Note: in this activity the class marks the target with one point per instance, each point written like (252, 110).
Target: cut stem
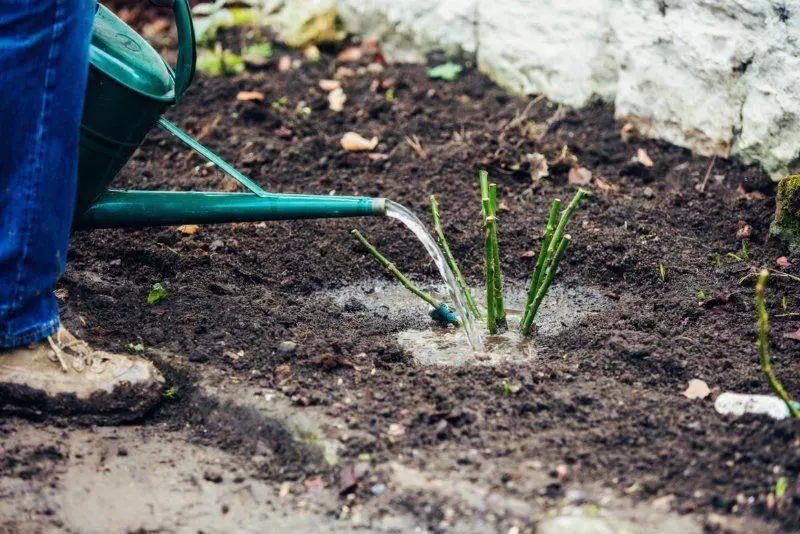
(491, 308)
(763, 345)
(544, 286)
(394, 271)
(437, 225)
(533, 287)
(500, 310)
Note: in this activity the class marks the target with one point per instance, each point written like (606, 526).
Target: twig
(763, 345)
(437, 225)
(702, 186)
(416, 145)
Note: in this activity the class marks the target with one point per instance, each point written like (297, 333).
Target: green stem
(533, 287)
(394, 271)
(763, 345)
(437, 225)
(500, 310)
(491, 308)
(545, 285)
(562, 223)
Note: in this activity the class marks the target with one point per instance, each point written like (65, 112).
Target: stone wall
(718, 76)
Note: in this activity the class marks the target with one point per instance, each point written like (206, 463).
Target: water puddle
(565, 306)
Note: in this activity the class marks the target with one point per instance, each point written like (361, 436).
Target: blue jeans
(44, 49)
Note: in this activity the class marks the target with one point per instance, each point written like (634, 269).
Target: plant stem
(437, 225)
(545, 285)
(394, 271)
(491, 308)
(533, 287)
(562, 223)
(763, 345)
(500, 310)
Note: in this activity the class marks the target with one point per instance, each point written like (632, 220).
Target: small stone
(443, 430)
(648, 192)
(216, 245)
(287, 348)
(377, 489)
(576, 496)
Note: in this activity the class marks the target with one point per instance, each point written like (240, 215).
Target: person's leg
(44, 49)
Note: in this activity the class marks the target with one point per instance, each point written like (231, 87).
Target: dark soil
(604, 400)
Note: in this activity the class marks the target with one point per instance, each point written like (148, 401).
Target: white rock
(738, 404)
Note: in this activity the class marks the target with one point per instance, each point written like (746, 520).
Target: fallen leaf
(627, 132)
(744, 230)
(330, 361)
(643, 158)
(378, 156)
(329, 85)
(446, 71)
(284, 64)
(336, 99)
(753, 195)
(233, 355)
(784, 262)
(352, 142)
(528, 254)
(188, 229)
(579, 176)
(283, 133)
(697, 389)
(605, 186)
(350, 54)
(247, 96)
(283, 369)
(538, 165)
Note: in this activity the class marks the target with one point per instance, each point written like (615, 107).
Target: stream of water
(402, 214)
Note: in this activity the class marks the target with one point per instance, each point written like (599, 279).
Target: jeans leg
(44, 49)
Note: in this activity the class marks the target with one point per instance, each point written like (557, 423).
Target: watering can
(129, 88)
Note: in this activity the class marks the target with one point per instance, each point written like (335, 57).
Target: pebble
(377, 489)
(648, 192)
(287, 348)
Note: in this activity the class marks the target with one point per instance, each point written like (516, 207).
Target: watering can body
(129, 88)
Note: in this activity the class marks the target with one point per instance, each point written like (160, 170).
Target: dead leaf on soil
(283, 133)
(329, 85)
(744, 230)
(329, 361)
(283, 369)
(336, 99)
(605, 186)
(350, 54)
(249, 96)
(784, 262)
(752, 195)
(538, 165)
(378, 156)
(627, 132)
(643, 158)
(579, 176)
(353, 142)
(188, 229)
(527, 254)
(697, 389)
(285, 64)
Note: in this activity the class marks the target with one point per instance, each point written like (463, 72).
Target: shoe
(62, 375)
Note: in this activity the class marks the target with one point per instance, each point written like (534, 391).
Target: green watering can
(129, 87)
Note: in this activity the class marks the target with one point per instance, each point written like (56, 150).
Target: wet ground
(299, 397)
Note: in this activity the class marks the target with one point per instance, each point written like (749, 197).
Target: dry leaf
(527, 254)
(283, 369)
(329, 85)
(579, 176)
(352, 142)
(627, 132)
(247, 96)
(285, 64)
(643, 158)
(283, 133)
(538, 165)
(794, 336)
(753, 195)
(697, 389)
(188, 229)
(784, 262)
(378, 156)
(605, 186)
(336, 99)
(350, 54)
(744, 230)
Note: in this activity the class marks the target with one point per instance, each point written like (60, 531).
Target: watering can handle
(187, 53)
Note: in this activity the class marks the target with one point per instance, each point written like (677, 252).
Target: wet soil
(601, 404)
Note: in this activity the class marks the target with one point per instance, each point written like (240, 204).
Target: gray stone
(287, 348)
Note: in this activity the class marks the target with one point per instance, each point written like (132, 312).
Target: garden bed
(600, 404)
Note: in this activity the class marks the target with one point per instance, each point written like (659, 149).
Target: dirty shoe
(63, 375)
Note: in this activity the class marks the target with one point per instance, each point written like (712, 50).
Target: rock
(377, 489)
(648, 192)
(738, 404)
(287, 348)
(786, 225)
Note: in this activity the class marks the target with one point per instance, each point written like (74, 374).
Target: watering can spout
(136, 209)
